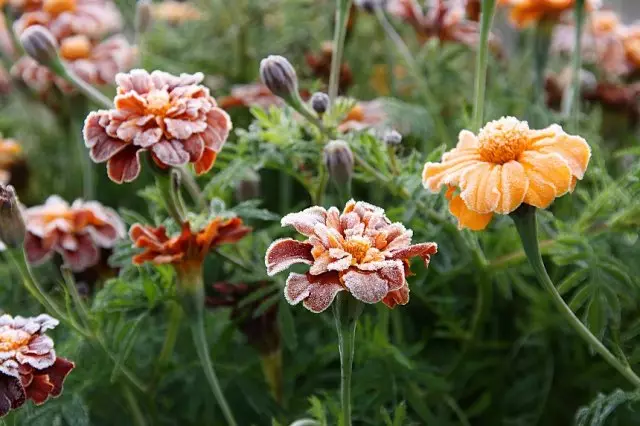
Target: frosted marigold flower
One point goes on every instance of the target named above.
(523, 13)
(176, 12)
(505, 165)
(363, 115)
(249, 95)
(29, 366)
(174, 118)
(65, 18)
(11, 158)
(359, 251)
(76, 232)
(95, 63)
(188, 246)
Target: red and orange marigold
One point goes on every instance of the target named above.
(358, 250)
(505, 165)
(174, 118)
(29, 366)
(523, 13)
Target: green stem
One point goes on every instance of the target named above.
(542, 40)
(346, 310)
(339, 34)
(138, 417)
(133, 379)
(78, 112)
(323, 179)
(200, 340)
(488, 9)
(164, 182)
(571, 98)
(85, 88)
(272, 370)
(525, 221)
(70, 283)
(192, 188)
(175, 320)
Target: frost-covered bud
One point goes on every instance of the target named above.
(39, 43)
(143, 16)
(277, 73)
(392, 138)
(339, 161)
(248, 188)
(12, 228)
(320, 102)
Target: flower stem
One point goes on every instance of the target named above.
(138, 417)
(88, 90)
(200, 340)
(175, 320)
(571, 98)
(525, 221)
(346, 310)
(72, 288)
(78, 112)
(272, 369)
(339, 34)
(488, 9)
(166, 188)
(542, 40)
(192, 188)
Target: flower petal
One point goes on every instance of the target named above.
(368, 287)
(171, 153)
(513, 187)
(479, 187)
(549, 177)
(449, 171)
(322, 292)
(304, 222)
(422, 250)
(468, 218)
(573, 149)
(286, 252)
(125, 165)
(397, 297)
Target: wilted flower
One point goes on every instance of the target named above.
(97, 64)
(12, 229)
(76, 232)
(249, 95)
(176, 12)
(338, 160)
(11, 160)
(505, 165)
(320, 65)
(175, 118)
(523, 13)
(29, 366)
(359, 251)
(277, 73)
(363, 115)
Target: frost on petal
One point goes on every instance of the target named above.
(479, 187)
(573, 149)
(468, 218)
(393, 273)
(513, 187)
(286, 252)
(12, 394)
(397, 297)
(549, 177)
(305, 221)
(171, 153)
(422, 250)
(367, 287)
(297, 288)
(124, 166)
(322, 292)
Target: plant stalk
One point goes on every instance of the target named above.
(488, 10)
(175, 320)
(339, 34)
(571, 97)
(138, 417)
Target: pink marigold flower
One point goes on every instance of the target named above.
(173, 117)
(29, 367)
(95, 63)
(76, 232)
(65, 18)
(359, 251)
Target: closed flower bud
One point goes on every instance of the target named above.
(248, 188)
(320, 102)
(277, 73)
(143, 16)
(339, 161)
(392, 138)
(39, 43)
(12, 229)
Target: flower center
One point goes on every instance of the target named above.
(355, 114)
(56, 7)
(76, 47)
(503, 140)
(157, 102)
(357, 247)
(11, 339)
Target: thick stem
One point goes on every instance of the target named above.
(525, 221)
(346, 310)
(571, 98)
(166, 188)
(175, 320)
(339, 34)
(78, 112)
(193, 189)
(272, 369)
(488, 9)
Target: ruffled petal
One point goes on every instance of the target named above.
(305, 221)
(513, 187)
(368, 287)
(468, 218)
(286, 252)
(479, 187)
(316, 292)
(573, 149)
(549, 177)
(124, 166)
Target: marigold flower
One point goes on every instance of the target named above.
(363, 115)
(29, 366)
(97, 64)
(523, 13)
(505, 165)
(11, 156)
(359, 251)
(187, 246)
(176, 12)
(631, 43)
(173, 117)
(320, 65)
(249, 95)
(76, 232)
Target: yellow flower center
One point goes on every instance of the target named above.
(11, 339)
(158, 102)
(503, 140)
(76, 47)
(56, 7)
(357, 247)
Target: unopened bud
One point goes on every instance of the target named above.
(143, 16)
(277, 73)
(339, 161)
(39, 43)
(12, 229)
(320, 102)
(248, 188)
(392, 138)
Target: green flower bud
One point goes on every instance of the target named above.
(40, 44)
(12, 228)
(143, 16)
(392, 138)
(320, 102)
(277, 73)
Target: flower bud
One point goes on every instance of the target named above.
(143, 16)
(248, 188)
(320, 102)
(392, 138)
(12, 228)
(39, 43)
(277, 73)
(370, 5)
(338, 159)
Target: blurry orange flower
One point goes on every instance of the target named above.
(176, 12)
(358, 250)
(523, 13)
(320, 65)
(173, 117)
(95, 63)
(10, 157)
(29, 367)
(631, 43)
(363, 115)
(505, 165)
(249, 95)
(76, 232)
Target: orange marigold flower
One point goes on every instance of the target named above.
(359, 251)
(523, 13)
(631, 43)
(174, 118)
(188, 246)
(10, 157)
(505, 165)
(76, 232)
(249, 95)
(29, 366)
(95, 63)
(176, 12)
(363, 115)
